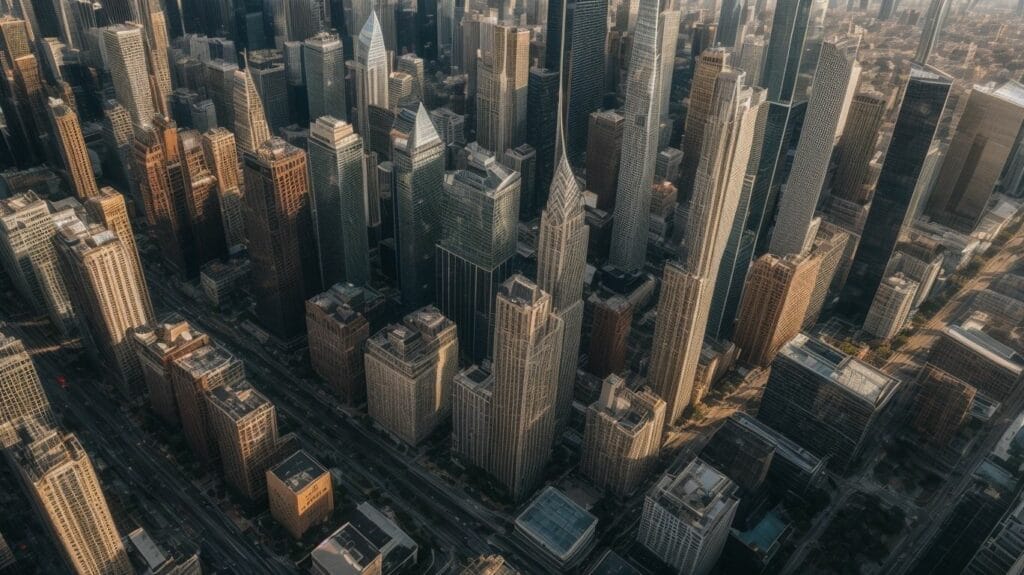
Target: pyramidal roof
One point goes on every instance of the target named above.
(371, 32)
(423, 131)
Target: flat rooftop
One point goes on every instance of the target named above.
(699, 492)
(784, 447)
(855, 376)
(972, 336)
(556, 523)
(611, 563)
(298, 470)
(238, 399)
(346, 551)
(765, 535)
(205, 360)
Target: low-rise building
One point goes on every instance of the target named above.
(968, 352)
(300, 492)
(891, 307)
(557, 527)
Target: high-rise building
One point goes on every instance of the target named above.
(1002, 549)
(338, 181)
(709, 65)
(150, 16)
(30, 259)
(751, 59)
(222, 159)
(300, 493)
(250, 122)
(609, 334)
(941, 406)
(158, 346)
(371, 73)
(418, 158)
(59, 478)
(586, 31)
(857, 146)
(244, 422)
(686, 517)
(774, 304)
(413, 65)
(622, 438)
(270, 77)
(825, 400)
(409, 371)
(688, 285)
(202, 204)
(523, 160)
(890, 310)
(503, 72)
(542, 108)
(934, 18)
(400, 91)
(282, 240)
(920, 112)
(604, 151)
(639, 142)
(192, 376)
(475, 255)
(336, 332)
(306, 18)
(323, 58)
(833, 246)
(73, 152)
(981, 145)
(730, 23)
(472, 395)
(219, 80)
(125, 51)
(968, 352)
(835, 79)
(21, 392)
(109, 297)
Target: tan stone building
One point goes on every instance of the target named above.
(192, 376)
(300, 492)
(336, 333)
(244, 423)
(158, 346)
(68, 134)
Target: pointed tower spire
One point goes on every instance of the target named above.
(251, 129)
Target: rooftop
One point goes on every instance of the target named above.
(205, 360)
(765, 535)
(298, 470)
(854, 376)
(238, 399)
(346, 551)
(611, 563)
(970, 334)
(557, 523)
(784, 447)
(699, 493)
(521, 290)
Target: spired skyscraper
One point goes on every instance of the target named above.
(687, 285)
(371, 74)
(250, 126)
(639, 143)
(923, 102)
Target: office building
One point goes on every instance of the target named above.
(586, 31)
(639, 142)
(557, 527)
(418, 161)
(400, 91)
(977, 154)
(300, 492)
(244, 423)
(857, 146)
(366, 542)
(192, 376)
(523, 160)
(336, 332)
(824, 400)
(688, 285)
(474, 256)
(622, 438)
(70, 142)
(751, 59)
(60, 480)
(282, 239)
(934, 18)
(730, 23)
(30, 258)
(125, 51)
(157, 347)
(503, 71)
(109, 209)
(472, 391)
(108, 295)
(219, 79)
(968, 352)
(686, 518)
(612, 318)
(941, 406)
(267, 69)
(338, 180)
(919, 260)
(202, 204)
(708, 66)
(774, 304)
(835, 79)
(323, 60)
(222, 159)
(371, 73)
(1001, 551)
(918, 119)
(891, 307)
(413, 65)
(21, 392)
(604, 151)
(409, 371)
(542, 108)
(250, 122)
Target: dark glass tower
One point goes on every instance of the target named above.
(541, 105)
(729, 21)
(587, 27)
(920, 111)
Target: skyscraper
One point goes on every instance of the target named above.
(730, 23)
(108, 296)
(702, 93)
(527, 338)
(323, 58)
(409, 371)
(250, 123)
(688, 285)
(686, 517)
(835, 79)
(71, 144)
(891, 307)
(244, 422)
(338, 181)
(923, 102)
(282, 241)
(604, 151)
(474, 257)
(158, 346)
(857, 145)
(934, 18)
(336, 330)
(30, 259)
(21, 392)
(981, 145)
(109, 209)
(192, 376)
(126, 57)
(639, 143)
(269, 75)
(418, 157)
(64, 489)
(371, 74)
(586, 30)
(503, 72)
(542, 107)
(222, 158)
